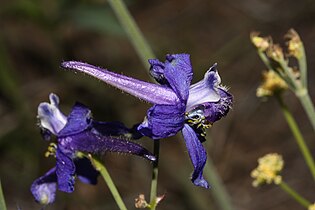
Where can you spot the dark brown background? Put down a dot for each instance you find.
(36, 36)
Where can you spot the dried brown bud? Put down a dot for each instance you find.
(140, 202)
(271, 84)
(275, 52)
(295, 45)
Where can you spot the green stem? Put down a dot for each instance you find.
(294, 195)
(303, 66)
(307, 104)
(155, 171)
(2, 201)
(218, 191)
(298, 136)
(265, 59)
(135, 36)
(104, 173)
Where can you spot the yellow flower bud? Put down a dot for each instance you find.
(261, 43)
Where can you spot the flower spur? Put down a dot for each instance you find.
(77, 132)
(178, 106)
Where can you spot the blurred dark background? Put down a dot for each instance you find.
(37, 35)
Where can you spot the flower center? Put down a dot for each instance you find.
(197, 120)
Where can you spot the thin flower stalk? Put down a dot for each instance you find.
(296, 196)
(307, 104)
(2, 201)
(109, 182)
(155, 172)
(298, 136)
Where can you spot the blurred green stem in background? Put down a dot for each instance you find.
(297, 134)
(2, 201)
(134, 34)
(217, 188)
(294, 194)
(108, 180)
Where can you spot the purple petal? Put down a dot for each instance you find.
(85, 171)
(197, 154)
(178, 73)
(92, 141)
(163, 121)
(51, 118)
(157, 71)
(65, 171)
(44, 188)
(149, 92)
(216, 110)
(205, 90)
(78, 120)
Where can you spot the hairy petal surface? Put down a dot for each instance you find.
(92, 142)
(197, 154)
(149, 92)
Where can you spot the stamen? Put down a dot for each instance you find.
(198, 121)
(51, 150)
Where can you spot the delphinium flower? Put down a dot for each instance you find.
(75, 133)
(178, 105)
(268, 170)
(272, 84)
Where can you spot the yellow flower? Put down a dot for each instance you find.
(269, 167)
(271, 84)
(311, 207)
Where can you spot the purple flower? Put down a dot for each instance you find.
(178, 105)
(77, 132)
